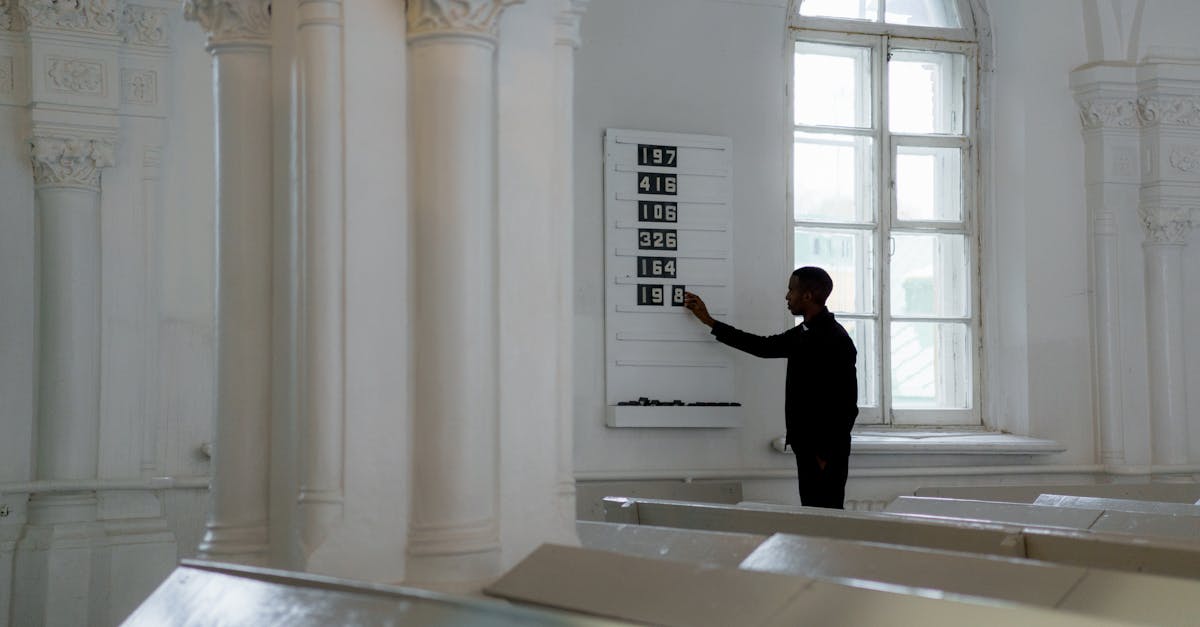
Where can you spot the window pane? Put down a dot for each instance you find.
(931, 365)
(848, 255)
(929, 183)
(935, 13)
(925, 92)
(863, 334)
(834, 178)
(929, 275)
(833, 85)
(846, 9)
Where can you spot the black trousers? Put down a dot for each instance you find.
(822, 487)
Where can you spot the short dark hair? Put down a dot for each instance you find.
(815, 280)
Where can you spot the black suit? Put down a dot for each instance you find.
(821, 400)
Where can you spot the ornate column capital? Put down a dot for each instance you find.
(1166, 226)
(60, 161)
(231, 21)
(1108, 113)
(566, 23)
(470, 18)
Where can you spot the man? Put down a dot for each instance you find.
(821, 400)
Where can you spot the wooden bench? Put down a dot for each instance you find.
(705, 548)
(1155, 599)
(1182, 528)
(1117, 505)
(665, 592)
(589, 495)
(209, 593)
(1159, 492)
(1089, 549)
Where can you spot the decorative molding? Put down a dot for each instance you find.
(100, 17)
(1185, 159)
(152, 157)
(77, 76)
(139, 86)
(1105, 223)
(69, 161)
(1166, 225)
(478, 18)
(1108, 113)
(7, 82)
(566, 23)
(1169, 110)
(231, 21)
(144, 26)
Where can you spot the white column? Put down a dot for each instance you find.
(238, 38)
(453, 539)
(322, 152)
(1107, 110)
(1166, 235)
(562, 231)
(63, 551)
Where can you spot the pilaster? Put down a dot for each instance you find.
(566, 42)
(1107, 99)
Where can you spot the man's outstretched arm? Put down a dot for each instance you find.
(757, 345)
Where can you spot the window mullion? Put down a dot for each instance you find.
(885, 193)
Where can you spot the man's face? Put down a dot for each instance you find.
(796, 298)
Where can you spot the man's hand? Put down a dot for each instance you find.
(697, 307)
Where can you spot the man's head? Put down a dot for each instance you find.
(808, 289)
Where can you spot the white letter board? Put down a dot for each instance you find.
(668, 226)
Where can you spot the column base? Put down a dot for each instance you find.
(239, 544)
(466, 573)
(65, 561)
(459, 559)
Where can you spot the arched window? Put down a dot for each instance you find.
(883, 195)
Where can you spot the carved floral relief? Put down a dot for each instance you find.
(1166, 225)
(10, 16)
(139, 86)
(69, 161)
(7, 83)
(1185, 159)
(93, 16)
(79, 76)
(1169, 110)
(144, 26)
(1108, 113)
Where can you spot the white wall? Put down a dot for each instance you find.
(717, 66)
(687, 66)
(1040, 219)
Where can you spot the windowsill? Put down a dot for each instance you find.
(950, 442)
(884, 441)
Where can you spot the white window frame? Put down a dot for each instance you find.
(882, 38)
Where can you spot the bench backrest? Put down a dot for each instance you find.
(1117, 505)
(1088, 548)
(1161, 492)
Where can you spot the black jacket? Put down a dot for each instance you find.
(821, 400)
